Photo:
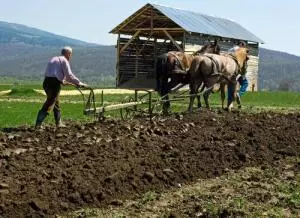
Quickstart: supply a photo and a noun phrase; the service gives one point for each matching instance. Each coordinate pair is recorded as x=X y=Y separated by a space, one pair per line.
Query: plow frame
x=129 y=107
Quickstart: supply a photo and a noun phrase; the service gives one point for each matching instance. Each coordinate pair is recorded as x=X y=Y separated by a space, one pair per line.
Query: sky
x=276 y=22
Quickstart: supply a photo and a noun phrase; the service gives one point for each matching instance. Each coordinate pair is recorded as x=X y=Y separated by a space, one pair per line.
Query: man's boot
x=40 y=118
x=57 y=117
x=60 y=124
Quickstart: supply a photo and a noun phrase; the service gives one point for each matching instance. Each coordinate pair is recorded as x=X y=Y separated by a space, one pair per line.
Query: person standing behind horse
x=242 y=80
x=58 y=72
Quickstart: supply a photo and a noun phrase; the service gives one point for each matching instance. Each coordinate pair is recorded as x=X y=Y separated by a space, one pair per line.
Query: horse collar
x=178 y=59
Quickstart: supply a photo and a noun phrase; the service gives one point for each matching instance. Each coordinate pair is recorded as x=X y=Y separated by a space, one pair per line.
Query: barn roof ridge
x=196 y=22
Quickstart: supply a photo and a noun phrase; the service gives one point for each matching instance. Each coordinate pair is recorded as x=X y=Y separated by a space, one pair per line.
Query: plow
x=143 y=103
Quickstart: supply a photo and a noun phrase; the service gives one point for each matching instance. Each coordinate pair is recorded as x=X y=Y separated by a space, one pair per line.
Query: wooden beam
x=128 y=20
x=140 y=24
x=145 y=43
x=113 y=107
x=128 y=43
x=160 y=29
x=174 y=42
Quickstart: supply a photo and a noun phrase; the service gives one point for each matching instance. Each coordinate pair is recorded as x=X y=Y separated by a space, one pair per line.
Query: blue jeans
x=243 y=87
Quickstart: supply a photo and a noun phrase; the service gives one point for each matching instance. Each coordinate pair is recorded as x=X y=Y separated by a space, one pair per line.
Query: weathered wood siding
x=136 y=67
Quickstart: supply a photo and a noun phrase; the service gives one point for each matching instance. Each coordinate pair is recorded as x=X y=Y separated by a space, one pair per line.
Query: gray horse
x=212 y=69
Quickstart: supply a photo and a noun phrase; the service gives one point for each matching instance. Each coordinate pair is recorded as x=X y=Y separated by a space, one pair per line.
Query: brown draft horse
x=212 y=69
x=172 y=69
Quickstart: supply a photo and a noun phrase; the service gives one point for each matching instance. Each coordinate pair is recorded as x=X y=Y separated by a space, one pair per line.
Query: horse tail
x=195 y=73
x=160 y=72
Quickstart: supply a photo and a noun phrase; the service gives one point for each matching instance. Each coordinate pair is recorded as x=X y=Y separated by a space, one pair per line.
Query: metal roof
x=199 y=23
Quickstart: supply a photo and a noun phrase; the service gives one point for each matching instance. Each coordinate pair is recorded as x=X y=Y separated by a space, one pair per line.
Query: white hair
x=66 y=49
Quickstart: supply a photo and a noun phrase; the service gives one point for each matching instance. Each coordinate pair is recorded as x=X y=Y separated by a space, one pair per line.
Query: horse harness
x=180 y=64
x=215 y=66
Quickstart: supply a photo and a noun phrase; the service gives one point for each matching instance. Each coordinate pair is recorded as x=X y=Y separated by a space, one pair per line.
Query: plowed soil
x=48 y=172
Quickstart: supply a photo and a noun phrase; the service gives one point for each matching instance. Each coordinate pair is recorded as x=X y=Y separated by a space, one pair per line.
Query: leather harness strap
x=216 y=66
x=179 y=61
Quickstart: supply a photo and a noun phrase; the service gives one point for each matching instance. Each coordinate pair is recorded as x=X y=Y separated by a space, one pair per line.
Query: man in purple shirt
x=58 y=72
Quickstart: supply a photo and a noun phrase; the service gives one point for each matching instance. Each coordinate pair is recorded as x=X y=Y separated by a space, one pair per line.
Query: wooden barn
x=156 y=29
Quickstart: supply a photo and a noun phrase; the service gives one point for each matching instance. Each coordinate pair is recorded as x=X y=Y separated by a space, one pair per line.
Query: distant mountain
x=279 y=71
x=25 y=51
x=93 y=64
x=21 y=34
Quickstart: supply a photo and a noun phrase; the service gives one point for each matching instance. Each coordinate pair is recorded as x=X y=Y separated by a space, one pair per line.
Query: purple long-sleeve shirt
x=59 y=67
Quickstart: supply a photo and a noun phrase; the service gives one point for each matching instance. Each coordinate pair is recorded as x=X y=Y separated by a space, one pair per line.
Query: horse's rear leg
x=222 y=89
x=206 y=95
x=193 y=91
x=201 y=86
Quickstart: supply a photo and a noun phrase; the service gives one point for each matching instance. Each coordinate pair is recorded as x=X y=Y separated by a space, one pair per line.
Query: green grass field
x=22 y=104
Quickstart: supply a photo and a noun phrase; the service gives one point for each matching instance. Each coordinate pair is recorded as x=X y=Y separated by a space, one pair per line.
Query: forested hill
x=93 y=64
x=279 y=71
x=25 y=51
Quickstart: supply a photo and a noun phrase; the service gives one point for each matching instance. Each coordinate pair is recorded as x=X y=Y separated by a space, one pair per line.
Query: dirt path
x=52 y=172
x=5 y=92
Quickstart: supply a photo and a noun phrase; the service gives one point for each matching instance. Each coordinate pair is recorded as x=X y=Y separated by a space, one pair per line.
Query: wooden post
x=184 y=41
x=151 y=22
x=150 y=106
x=135 y=98
x=136 y=61
x=101 y=114
x=118 y=62
x=155 y=57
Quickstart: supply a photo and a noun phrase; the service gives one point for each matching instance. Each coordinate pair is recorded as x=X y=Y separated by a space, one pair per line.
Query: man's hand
x=83 y=85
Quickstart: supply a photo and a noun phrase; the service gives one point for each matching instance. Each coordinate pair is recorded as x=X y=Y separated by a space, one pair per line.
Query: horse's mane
x=242 y=56
x=202 y=50
x=208 y=48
